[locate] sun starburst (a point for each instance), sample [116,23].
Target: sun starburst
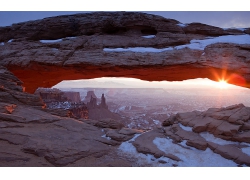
[223,84]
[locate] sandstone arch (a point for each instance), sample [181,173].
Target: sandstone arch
[78,50]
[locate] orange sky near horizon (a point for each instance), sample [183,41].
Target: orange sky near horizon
[113,82]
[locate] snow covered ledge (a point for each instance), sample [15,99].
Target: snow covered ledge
[194,44]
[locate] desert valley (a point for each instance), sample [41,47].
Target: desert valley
[46,120]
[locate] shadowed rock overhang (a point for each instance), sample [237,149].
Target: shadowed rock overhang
[44,52]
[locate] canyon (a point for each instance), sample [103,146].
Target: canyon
[44,52]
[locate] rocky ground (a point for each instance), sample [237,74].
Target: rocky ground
[32,136]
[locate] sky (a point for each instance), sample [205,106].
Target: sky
[224,19]
[107,82]
[213,12]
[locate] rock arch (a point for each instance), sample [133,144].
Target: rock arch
[44,52]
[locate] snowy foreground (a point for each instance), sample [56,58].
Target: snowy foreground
[190,156]
[194,44]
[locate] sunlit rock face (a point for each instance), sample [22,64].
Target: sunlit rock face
[44,52]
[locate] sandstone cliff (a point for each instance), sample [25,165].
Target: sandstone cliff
[73,96]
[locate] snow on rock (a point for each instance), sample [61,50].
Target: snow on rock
[141,159]
[104,136]
[126,148]
[59,105]
[181,25]
[156,121]
[211,138]
[192,157]
[194,44]
[70,37]
[122,108]
[127,145]
[241,29]
[2,44]
[246,150]
[56,40]
[9,41]
[137,49]
[201,44]
[149,36]
[51,41]
[186,128]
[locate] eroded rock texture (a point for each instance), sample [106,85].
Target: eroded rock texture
[230,124]
[80,54]
[31,135]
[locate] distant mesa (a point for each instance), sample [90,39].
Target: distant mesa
[70,101]
[73,96]
[92,104]
[54,94]
[99,111]
[90,94]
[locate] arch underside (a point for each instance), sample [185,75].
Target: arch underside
[47,76]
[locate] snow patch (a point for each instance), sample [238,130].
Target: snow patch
[181,25]
[122,108]
[194,44]
[186,128]
[59,105]
[56,40]
[192,157]
[241,29]
[149,36]
[127,148]
[156,122]
[9,41]
[211,138]
[137,49]
[104,136]
[2,44]
[51,41]
[70,37]
[201,44]
[135,136]
[246,150]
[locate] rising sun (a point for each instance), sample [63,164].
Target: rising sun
[222,84]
